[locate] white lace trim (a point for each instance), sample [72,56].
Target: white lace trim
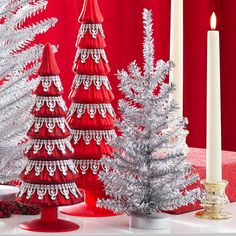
[50,102]
[96,55]
[91,109]
[96,135]
[49,145]
[51,166]
[48,80]
[50,124]
[85,165]
[93,29]
[87,81]
[52,190]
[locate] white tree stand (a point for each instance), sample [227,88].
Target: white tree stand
[158,222]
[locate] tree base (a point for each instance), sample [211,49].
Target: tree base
[86,210]
[158,221]
[55,226]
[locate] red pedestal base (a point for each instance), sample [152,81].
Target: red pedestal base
[88,208]
[49,223]
[56,226]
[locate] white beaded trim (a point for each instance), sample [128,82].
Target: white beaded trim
[91,109]
[93,30]
[48,80]
[50,123]
[85,165]
[87,81]
[50,166]
[96,135]
[49,145]
[52,190]
[50,102]
[96,55]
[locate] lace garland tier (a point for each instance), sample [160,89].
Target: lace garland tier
[52,190]
[87,81]
[50,102]
[96,54]
[85,165]
[91,109]
[49,145]
[93,29]
[50,124]
[50,166]
[47,81]
[96,135]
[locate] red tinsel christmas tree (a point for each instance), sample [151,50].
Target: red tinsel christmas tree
[91,115]
[49,176]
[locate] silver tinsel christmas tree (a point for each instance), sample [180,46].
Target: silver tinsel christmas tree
[19,57]
[149,172]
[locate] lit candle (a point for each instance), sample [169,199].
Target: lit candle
[214,160]
[176,51]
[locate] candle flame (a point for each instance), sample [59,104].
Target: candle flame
[213,21]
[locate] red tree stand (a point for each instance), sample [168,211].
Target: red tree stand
[48,180]
[91,115]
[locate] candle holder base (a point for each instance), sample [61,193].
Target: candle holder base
[213,216]
[214,201]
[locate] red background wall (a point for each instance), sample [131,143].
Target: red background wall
[123,29]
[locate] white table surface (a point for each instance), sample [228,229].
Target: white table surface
[185,224]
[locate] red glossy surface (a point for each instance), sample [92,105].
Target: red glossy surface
[49,222]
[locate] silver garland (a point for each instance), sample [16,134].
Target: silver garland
[19,59]
[149,172]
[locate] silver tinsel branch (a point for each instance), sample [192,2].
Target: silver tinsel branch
[149,171]
[19,60]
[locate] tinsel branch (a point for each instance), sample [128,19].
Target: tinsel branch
[10,111]
[10,5]
[38,28]
[17,92]
[188,198]
[148,49]
[28,11]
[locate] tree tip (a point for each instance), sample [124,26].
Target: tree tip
[48,65]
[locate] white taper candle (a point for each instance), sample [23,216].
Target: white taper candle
[214,159]
[176,51]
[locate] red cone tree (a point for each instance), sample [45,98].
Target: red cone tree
[91,115]
[49,176]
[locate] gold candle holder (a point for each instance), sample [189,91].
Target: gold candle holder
[214,201]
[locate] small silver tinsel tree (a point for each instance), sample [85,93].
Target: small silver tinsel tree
[19,58]
[149,172]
